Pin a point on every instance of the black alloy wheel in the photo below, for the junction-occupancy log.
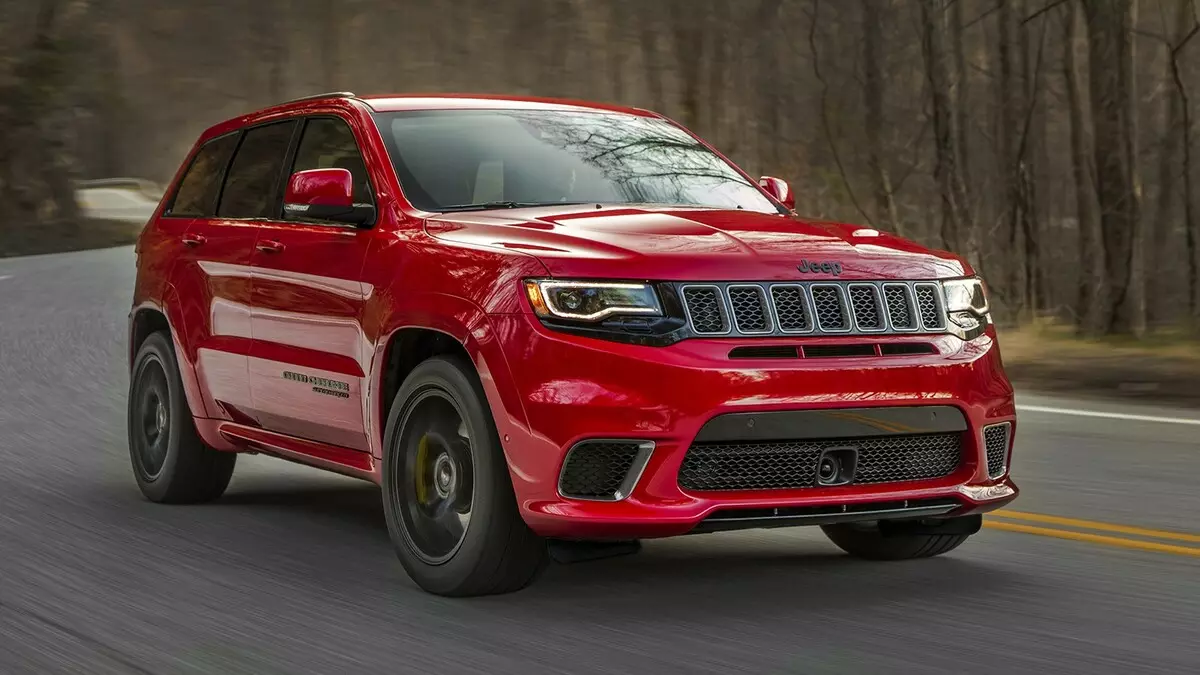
(436, 497)
(448, 497)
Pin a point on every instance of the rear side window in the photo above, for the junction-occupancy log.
(329, 144)
(252, 184)
(198, 190)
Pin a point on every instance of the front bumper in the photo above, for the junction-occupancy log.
(575, 389)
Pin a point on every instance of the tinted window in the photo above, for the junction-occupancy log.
(197, 193)
(329, 144)
(454, 159)
(252, 184)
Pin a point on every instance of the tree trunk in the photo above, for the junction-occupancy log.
(277, 35)
(958, 232)
(766, 78)
(36, 168)
(1191, 219)
(962, 98)
(688, 42)
(1010, 97)
(1091, 261)
(872, 25)
(1170, 112)
(1031, 157)
(1110, 36)
(652, 62)
(329, 31)
(615, 51)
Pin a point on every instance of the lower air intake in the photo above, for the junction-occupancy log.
(995, 442)
(603, 470)
(781, 465)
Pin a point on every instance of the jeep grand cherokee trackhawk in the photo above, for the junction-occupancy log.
(548, 326)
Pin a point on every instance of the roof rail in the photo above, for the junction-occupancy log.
(332, 94)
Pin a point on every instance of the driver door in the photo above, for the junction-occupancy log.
(309, 359)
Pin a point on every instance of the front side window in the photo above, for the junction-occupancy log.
(328, 143)
(198, 190)
(252, 183)
(450, 160)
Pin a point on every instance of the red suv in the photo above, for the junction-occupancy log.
(550, 327)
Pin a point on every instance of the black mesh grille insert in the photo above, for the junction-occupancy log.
(750, 312)
(777, 465)
(834, 351)
(899, 312)
(780, 352)
(865, 300)
(827, 304)
(597, 470)
(995, 441)
(706, 309)
(721, 308)
(927, 305)
(790, 309)
(906, 348)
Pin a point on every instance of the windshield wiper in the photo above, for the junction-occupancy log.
(484, 206)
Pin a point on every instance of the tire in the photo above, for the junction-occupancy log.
(426, 476)
(869, 542)
(170, 462)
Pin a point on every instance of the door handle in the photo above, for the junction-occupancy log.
(269, 246)
(193, 240)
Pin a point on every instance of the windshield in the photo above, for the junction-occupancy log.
(450, 160)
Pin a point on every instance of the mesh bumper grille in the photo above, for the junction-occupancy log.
(603, 470)
(995, 441)
(778, 465)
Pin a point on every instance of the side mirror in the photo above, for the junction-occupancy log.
(780, 190)
(324, 194)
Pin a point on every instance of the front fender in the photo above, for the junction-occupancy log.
(468, 325)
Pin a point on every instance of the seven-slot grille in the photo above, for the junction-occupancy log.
(781, 465)
(814, 308)
(995, 442)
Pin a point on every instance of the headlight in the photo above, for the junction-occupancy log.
(590, 300)
(967, 307)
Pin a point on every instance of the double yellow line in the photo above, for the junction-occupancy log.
(1135, 537)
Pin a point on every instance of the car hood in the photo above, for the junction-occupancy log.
(692, 244)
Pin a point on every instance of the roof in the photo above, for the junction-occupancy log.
(398, 102)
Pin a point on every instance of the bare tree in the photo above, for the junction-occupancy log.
(688, 43)
(1031, 157)
(962, 80)
(1188, 12)
(1010, 97)
(1173, 139)
(873, 12)
(1110, 36)
(329, 29)
(1091, 260)
(957, 229)
(37, 171)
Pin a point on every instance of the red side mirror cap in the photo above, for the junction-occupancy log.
(780, 190)
(319, 194)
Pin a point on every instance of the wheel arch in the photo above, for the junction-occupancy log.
(144, 322)
(148, 318)
(416, 336)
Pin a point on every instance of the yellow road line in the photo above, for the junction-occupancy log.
(1093, 525)
(1094, 538)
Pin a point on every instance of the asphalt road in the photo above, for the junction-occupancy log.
(291, 572)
